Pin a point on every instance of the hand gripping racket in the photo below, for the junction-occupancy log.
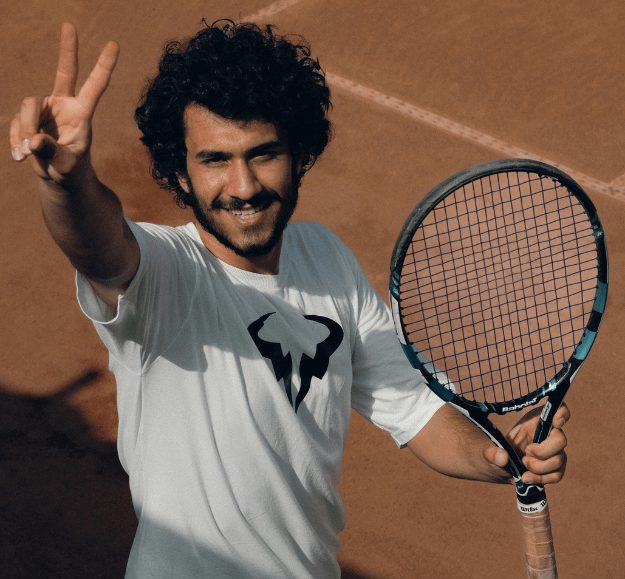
(498, 285)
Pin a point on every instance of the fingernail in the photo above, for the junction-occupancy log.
(26, 146)
(17, 154)
(528, 479)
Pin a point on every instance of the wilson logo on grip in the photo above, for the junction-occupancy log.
(535, 508)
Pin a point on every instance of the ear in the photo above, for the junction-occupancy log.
(183, 181)
(298, 167)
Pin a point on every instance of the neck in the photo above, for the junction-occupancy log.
(267, 264)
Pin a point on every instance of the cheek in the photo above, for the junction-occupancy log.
(280, 180)
(204, 183)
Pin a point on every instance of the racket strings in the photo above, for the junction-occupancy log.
(497, 270)
(511, 353)
(564, 244)
(473, 282)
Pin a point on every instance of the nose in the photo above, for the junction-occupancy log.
(242, 180)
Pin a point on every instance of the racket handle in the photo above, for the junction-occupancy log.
(540, 556)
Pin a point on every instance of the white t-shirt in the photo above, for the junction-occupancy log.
(234, 394)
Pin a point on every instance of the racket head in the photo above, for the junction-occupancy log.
(498, 284)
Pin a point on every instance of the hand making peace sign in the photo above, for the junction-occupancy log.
(55, 131)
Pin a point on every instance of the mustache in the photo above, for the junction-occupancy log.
(261, 200)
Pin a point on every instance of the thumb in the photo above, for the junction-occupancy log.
(496, 456)
(51, 160)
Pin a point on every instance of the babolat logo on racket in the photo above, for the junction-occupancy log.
(520, 405)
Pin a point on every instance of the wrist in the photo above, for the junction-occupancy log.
(80, 179)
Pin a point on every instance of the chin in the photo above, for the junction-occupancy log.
(252, 247)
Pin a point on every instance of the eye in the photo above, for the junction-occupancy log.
(269, 155)
(210, 158)
(266, 155)
(212, 161)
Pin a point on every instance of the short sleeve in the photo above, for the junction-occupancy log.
(151, 311)
(386, 389)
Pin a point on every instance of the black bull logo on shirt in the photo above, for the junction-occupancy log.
(309, 368)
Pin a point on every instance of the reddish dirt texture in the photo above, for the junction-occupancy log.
(453, 83)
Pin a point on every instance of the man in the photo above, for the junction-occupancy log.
(239, 346)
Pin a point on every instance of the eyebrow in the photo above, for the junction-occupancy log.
(269, 146)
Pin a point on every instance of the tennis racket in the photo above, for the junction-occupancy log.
(498, 284)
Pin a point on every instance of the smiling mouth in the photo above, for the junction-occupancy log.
(251, 211)
(245, 213)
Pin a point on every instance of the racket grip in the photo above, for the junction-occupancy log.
(539, 552)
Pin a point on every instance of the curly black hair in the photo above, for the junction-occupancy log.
(241, 72)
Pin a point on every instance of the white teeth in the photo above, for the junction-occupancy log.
(244, 213)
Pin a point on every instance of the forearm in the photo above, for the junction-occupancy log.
(86, 220)
(454, 446)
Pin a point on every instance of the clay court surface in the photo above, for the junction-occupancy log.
(421, 90)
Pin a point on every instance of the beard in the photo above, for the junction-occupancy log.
(257, 239)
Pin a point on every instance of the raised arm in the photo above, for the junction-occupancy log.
(54, 134)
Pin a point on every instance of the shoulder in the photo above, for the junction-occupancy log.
(166, 233)
(163, 239)
(313, 246)
(316, 237)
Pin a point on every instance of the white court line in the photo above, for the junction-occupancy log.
(614, 189)
(618, 182)
(271, 9)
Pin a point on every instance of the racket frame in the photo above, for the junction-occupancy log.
(531, 498)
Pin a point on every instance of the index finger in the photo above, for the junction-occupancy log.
(562, 416)
(67, 68)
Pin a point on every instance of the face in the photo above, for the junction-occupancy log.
(241, 179)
